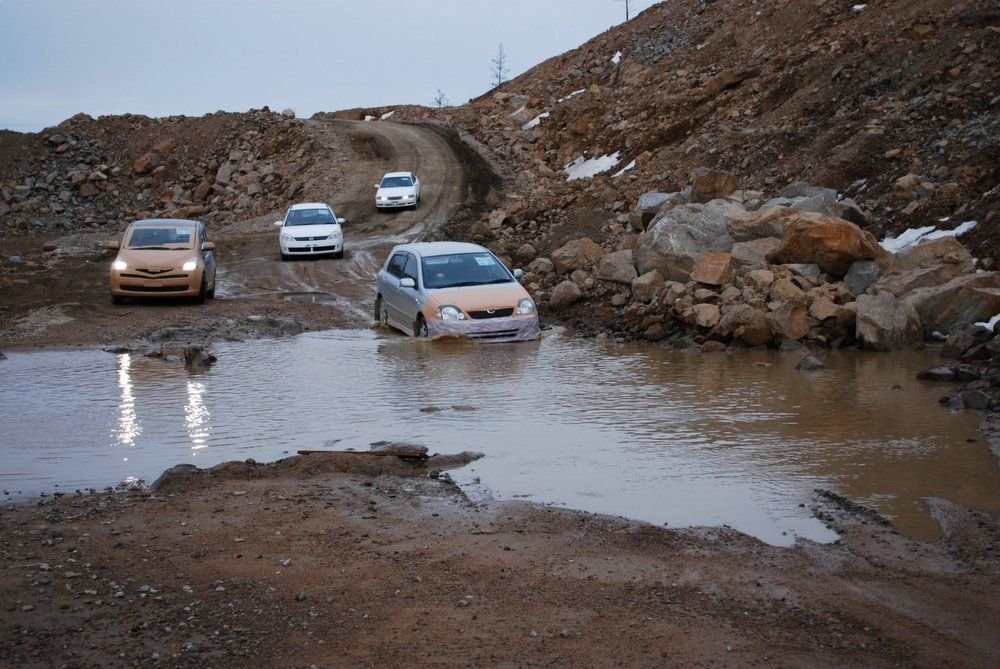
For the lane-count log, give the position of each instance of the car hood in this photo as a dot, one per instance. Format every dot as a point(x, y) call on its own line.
point(397, 192)
point(318, 230)
point(469, 298)
point(151, 258)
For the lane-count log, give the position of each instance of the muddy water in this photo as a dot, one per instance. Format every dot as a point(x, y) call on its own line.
point(669, 437)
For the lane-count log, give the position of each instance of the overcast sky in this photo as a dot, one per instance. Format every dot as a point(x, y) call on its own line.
point(193, 57)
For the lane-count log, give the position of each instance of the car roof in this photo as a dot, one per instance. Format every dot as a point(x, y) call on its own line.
point(160, 222)
point(310, 205)
point(426, 249)
point(397, 174)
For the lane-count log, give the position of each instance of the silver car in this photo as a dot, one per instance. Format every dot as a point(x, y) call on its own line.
point(430, 289)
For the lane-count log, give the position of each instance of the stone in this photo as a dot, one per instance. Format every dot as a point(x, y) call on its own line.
point(288, 112)
point(564, 295)
point(497, 218)
point(146, 163)
point(645, 287)
point(165, 146)
point(708, 184)
point(650, 204)
point(712, 346)
point(202, 192)
point(743, 322)
point(976, 399)
point(525, 253)
point(617, 266)
point(937, 374)
point(885, 323)
point(754, 253)
point(678, 237)
point(785, 290)
point(926, 264)
point(860, 275)
point(823, 308)
point(809, 363)
point(706, 315)
point(831, 243)
point(576, 254)
point(967, 299)
point(760, 279)
point(714, 269)
point(541, 266)
point(760, 224)
point(789, 320)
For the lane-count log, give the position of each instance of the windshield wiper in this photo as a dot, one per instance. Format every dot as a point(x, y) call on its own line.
point(153, 247)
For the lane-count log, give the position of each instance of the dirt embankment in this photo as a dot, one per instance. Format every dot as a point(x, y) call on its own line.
point(353, 561)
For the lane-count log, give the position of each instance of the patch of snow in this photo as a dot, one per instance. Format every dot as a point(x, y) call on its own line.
point(944, 219)
point(586, 168)
point(386, 115)
point(571, 95)
point(857, 8)
point(617, 58)
point(535, 121)
point(369, 117)
point(924, 234)
point(990, 324)
point(625, 169)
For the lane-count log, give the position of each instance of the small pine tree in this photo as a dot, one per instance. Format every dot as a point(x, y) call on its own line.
point(500, 70)
point(441, 100)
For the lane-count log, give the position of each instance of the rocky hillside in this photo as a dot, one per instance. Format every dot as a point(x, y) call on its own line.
point(89, 172)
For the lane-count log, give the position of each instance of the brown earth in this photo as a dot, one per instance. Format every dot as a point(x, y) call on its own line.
point(348, 561)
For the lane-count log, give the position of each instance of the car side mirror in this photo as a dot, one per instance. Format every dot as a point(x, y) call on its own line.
point(114, 246)
point(518, 273)
point(341, 220)
point(377, 186)
point(407, 282)
point(208, 246)
point(279, 223)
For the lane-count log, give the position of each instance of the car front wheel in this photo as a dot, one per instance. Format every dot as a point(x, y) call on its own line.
point(381, 312)
point(421, 327)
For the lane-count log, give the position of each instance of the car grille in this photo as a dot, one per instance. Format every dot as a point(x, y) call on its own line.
point(152, 274)
point(155, 289)
point(496, 334)
point(395, 197)
point(313, 249)
point(492, 313)
point(310, 239)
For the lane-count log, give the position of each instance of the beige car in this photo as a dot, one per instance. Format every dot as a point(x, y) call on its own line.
point(163, 258)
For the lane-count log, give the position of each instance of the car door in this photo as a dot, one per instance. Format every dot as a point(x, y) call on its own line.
point(208, 257)
point(393, 295)
point(416, 185)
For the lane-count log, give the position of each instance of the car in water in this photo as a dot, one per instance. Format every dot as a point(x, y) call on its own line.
point(430, 289)
point(310, 229)
point(396, 190)
point(163, 257)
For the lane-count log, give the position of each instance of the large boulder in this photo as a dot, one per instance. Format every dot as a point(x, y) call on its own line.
point(576, 254)
point(650, 204)
point(926, 264)
point(831, 243)
point(861, 274)
point(886, 323)
point(677, 237)
point(754, 253)
point(564, 294)
point(617, 266)
point(790, 320)
point(967, 299)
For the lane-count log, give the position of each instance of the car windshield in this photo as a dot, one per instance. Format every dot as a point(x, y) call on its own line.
point(396, 182)
point(161, 238)
point(309, 217)
point(463, 269)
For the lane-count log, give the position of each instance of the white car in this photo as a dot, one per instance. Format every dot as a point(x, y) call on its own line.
point(310, 229)
point(397, 189)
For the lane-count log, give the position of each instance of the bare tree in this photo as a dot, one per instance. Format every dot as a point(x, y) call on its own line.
point(626, 9)
point(500, 70)
point(441, 100)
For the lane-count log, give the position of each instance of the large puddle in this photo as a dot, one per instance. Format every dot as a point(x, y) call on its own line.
point(668, 437)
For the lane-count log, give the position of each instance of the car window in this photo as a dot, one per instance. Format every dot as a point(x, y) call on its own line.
point(161, 238)
point(310, 217)
point(463, 269)
point(397, 264)
point(396, 182)
point(410, 271)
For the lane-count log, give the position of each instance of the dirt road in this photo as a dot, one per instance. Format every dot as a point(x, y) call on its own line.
point(59, 298)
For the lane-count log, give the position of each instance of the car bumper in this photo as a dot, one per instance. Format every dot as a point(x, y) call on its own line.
point(394, 204)
point(128, 284)
point(311, 248)
point(509, 329)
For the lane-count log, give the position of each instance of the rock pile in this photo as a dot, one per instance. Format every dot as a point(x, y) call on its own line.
point(86, 172)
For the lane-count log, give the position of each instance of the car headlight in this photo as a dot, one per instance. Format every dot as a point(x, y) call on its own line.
point(190, 265)
point(119, 264)
point(287, 237)
point(380, 198)
point(450, 313)
point(335, 236)
point(525, 306)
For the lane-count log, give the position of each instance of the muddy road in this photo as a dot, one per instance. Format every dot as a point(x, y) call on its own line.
point(59, 297)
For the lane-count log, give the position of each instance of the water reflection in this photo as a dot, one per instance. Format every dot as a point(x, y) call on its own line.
point(196, 416)
point(129, 428)
point(669, 437)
